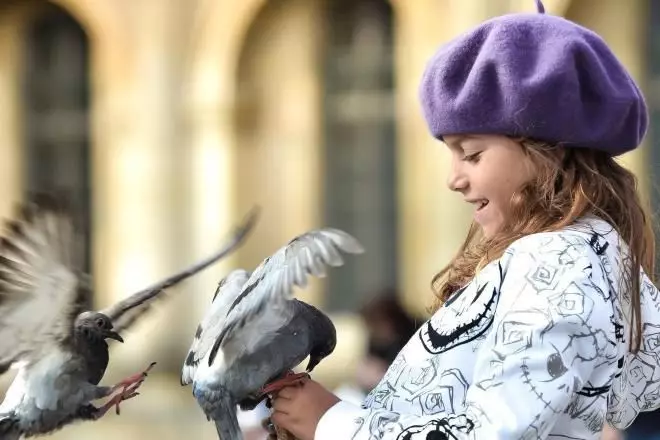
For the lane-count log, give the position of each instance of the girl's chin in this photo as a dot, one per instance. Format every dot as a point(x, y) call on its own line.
point(489, 230)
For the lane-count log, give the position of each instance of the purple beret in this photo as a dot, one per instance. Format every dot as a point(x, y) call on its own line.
point(538, 76)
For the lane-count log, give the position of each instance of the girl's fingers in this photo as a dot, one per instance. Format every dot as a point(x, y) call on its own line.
point(279, 418)
point(285, 393)
point(280, 405)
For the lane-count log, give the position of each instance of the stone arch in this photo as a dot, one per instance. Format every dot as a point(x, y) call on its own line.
point(108, 51)
point(208, 101)
point(102, 22)
point(211, 95)
point(107, 68)
point(276, 127)
point(55, 103)
point(104, 26)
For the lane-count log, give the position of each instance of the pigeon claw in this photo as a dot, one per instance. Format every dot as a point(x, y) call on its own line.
point(125, 394)
point(128, 387)
point(290, 378)
point(137, 378)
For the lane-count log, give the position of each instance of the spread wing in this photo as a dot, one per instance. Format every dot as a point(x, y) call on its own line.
point(39, 291)
point(208, 330)
point(126, 312)
point(272, 283)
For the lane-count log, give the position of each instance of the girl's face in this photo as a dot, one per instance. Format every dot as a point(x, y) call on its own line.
point(487, 170)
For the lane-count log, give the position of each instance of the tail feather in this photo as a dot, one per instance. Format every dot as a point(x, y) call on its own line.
point(218, 406)
point(226, 421)
point(9, 429)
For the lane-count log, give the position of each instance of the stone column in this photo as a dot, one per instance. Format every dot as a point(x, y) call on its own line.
point(140, 217)
point(208, 103)
point(231, 172)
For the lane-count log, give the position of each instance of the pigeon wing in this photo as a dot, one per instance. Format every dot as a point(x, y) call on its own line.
point(208, 330)
point(40, 293)
point(126, 312)
point(272, 283)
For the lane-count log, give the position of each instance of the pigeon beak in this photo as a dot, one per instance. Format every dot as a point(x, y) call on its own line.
point(113, 335)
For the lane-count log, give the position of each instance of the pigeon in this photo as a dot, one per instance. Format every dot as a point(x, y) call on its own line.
point(59, 349)
point(256, 332)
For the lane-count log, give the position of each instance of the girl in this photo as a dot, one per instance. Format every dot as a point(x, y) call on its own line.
point(546, 322)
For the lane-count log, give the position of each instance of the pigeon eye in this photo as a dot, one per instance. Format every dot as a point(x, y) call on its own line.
point(99, 322)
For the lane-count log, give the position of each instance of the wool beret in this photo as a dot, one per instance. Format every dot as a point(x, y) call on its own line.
point(534, 75)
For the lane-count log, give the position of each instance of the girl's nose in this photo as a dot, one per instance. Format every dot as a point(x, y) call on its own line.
point(457, 180)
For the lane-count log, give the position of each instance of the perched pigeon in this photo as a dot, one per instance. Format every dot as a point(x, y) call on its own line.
point(256, 332)
point(60, 350)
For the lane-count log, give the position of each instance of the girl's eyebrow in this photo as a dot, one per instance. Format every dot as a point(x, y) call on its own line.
point(460, 139)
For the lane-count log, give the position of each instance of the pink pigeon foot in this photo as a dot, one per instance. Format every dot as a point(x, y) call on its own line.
point(289, 378)
point(128, 387)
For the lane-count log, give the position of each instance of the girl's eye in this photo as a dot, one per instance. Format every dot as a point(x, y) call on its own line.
point(472, 157)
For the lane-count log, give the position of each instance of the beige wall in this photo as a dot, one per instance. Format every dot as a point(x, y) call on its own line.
point(202, 108)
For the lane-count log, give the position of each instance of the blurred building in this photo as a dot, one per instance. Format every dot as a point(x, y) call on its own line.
point(169, 119)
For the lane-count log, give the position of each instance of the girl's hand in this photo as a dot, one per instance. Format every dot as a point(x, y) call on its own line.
point(299, 408)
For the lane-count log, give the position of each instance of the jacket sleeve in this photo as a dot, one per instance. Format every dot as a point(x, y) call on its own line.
point(551, 329)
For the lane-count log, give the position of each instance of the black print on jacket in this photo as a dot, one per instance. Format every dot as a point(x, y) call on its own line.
point(470, 312)
point(440, 429)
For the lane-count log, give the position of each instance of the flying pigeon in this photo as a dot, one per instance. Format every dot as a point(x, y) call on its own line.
point(256, 331)
point(60, 350)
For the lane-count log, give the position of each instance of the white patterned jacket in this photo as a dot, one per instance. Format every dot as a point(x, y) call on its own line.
point(534, 347)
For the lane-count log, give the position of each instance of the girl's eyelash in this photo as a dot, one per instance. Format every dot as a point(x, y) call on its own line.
point(472, 157)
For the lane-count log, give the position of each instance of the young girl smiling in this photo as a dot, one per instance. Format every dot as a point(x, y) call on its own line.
point(546, 321)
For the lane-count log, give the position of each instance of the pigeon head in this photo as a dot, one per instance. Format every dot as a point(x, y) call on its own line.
point(324, 338)
point(96, 326)
point(320, 352)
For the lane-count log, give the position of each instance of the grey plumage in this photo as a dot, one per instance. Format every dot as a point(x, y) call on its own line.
point(256, 330)
point(59, 349)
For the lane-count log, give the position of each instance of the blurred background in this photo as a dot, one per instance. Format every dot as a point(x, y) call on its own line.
point(168, 119)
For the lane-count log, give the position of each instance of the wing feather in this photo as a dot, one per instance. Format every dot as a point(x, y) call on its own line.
point(126, 312)
point(227, 291)
point(39, 291)
point(273, 282)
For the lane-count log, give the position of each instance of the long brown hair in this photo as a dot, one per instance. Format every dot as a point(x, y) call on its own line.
point(569, 183)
